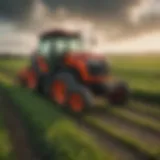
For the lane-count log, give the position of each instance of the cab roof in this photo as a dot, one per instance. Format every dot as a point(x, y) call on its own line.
point(59, 33)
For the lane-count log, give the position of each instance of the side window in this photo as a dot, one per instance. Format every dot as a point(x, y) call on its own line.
point(59, 46)
point(44, 47)
point(74, 45)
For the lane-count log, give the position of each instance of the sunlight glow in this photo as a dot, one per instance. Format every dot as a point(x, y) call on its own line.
point(26, 41)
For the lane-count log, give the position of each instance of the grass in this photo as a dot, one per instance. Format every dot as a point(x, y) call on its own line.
point(142, 73)
point(6, 152)
point(124, 138)
point(136, 62)
point(65, 140)
point(14, 64)
point(145, 109)
point(6, 79)
point(137, 119)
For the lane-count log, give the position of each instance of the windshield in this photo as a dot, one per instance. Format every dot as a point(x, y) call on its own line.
point(59, 45)
point(67, 44)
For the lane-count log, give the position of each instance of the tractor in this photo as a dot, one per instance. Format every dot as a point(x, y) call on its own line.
point(69, 75)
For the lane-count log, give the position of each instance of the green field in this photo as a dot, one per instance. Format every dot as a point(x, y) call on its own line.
point(129, 132)
point(6, 152)
point(142, 73)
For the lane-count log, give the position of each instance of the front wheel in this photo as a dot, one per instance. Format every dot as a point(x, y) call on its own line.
point(118, 94)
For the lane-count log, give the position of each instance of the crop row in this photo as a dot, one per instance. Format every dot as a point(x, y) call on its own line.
point(55, 135)
point(108, 129)
point(6, 150)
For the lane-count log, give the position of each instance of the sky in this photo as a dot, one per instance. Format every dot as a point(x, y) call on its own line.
point(118, 25)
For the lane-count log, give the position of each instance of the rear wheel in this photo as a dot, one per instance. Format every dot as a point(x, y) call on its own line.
point(59, 87)
point(80, 99)
point(58, 91)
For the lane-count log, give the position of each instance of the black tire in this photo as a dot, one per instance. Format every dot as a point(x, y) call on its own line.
point(64, 77)
point(87, 98)
point(118, 93)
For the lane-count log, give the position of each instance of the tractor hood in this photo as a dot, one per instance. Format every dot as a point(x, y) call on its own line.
point(94, 64)
point(85, 56)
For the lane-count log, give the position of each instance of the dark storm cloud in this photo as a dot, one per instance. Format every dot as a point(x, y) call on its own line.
point(15, 9)
point(101, 11)
point(106, 14)
point(93, 8)
point(145, 25)
point(106, 10)
point(110, 14)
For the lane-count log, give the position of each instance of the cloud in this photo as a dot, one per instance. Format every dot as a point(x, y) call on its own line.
point(104, 10)
point(16, 9)
point(118, 18)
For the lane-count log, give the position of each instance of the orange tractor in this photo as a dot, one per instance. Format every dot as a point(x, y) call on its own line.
point(70, 76)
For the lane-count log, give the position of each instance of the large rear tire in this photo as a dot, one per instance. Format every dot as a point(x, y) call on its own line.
point(59, 88)
point(80, 100)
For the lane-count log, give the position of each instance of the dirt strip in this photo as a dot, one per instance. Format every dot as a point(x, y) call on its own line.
point(108, 143)
point(145, 113)
point(139, 133)
point(17, 132)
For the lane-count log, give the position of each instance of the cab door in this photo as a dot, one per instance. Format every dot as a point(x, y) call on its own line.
point(42, 57)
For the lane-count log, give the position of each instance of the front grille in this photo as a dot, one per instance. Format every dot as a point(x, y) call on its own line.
point(97, 68)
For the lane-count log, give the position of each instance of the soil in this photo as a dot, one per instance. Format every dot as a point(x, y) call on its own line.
point(17, 131)
point(143, 135)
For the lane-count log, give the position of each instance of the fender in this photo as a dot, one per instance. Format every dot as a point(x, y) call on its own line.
point(80, 66)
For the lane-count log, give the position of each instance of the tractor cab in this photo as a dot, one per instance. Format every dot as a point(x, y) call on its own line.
point(61, 49)
point(55, 44)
